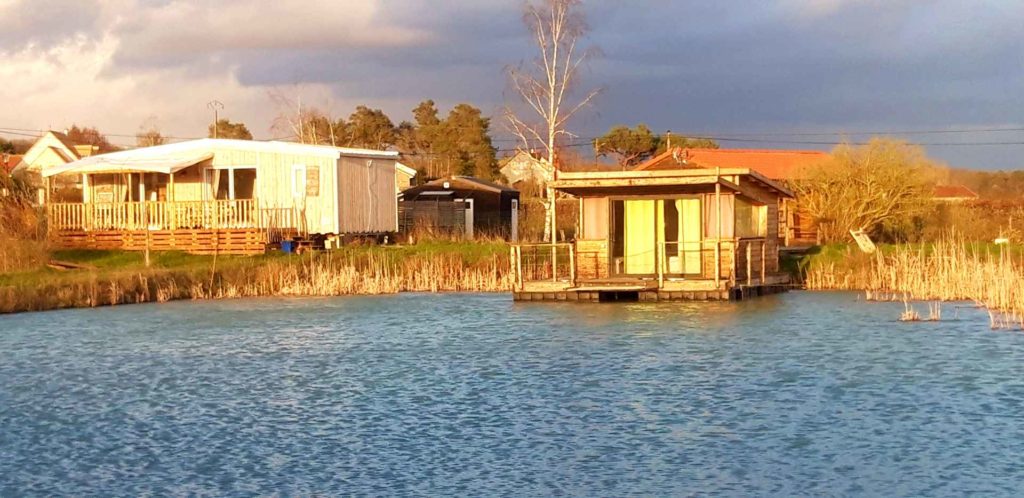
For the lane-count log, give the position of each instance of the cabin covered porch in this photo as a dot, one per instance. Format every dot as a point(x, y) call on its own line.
point(659, 235)
point(179, 203)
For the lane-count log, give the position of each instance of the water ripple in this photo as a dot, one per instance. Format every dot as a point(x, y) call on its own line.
point(800, 394)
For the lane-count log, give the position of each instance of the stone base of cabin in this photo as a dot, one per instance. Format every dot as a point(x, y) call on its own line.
point(240, 241)
point(648, 292)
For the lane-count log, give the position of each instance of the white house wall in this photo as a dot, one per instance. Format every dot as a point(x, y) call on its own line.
point(276, 188)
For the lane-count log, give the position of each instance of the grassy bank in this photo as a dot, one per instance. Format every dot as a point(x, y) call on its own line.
point(116, 277)
point(949, 270)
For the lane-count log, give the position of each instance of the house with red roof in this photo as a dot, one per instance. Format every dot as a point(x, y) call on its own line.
point(783, 166)
point(8, 162)
point(953, 193)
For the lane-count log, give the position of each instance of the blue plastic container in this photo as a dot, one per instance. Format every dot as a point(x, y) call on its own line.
point(287, 246)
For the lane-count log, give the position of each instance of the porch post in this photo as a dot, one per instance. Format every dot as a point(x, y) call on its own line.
point(659, 229)
point(173, 218)
point(764, 245)
point(718, 230)
point(750, 256)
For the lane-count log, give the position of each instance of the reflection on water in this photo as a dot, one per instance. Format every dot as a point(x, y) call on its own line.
point(798, 394)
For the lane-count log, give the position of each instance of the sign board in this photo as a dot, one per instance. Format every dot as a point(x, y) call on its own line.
point(863, 241)
point(312, 181)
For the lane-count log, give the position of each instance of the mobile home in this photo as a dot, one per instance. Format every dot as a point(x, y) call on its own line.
point(190, 195)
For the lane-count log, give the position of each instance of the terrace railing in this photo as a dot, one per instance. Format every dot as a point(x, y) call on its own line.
point(544, 263)
point(164, 215)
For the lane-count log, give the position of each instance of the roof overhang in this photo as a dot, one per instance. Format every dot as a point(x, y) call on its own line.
point(666, 181)
point(107, 164)
point(407, 171)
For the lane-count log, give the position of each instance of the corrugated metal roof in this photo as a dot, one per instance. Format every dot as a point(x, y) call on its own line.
point(163, 158)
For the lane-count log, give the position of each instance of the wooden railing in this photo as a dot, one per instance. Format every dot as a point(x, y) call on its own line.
point(543, 262)
point(160, 215)
point(750, 262)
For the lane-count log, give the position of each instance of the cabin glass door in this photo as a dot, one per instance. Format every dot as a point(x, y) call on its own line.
point(640, 239)
point(681, 233)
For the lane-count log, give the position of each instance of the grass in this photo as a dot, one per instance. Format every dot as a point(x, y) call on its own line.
point(114, 277)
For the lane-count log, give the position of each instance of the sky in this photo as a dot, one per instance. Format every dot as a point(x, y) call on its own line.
point(764, 74)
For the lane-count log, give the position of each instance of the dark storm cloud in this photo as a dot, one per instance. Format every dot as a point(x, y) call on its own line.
point(690, 66)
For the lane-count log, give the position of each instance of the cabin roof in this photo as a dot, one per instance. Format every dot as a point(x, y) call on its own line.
point(462, 182)
point(169, 158)
point(406, 170)
point(775, 164)
point(577, 183)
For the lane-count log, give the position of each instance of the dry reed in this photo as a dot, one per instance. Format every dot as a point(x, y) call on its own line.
point(949, 270)
point(347, 272)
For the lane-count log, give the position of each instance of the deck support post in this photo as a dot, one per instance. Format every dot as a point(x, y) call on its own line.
point(519, 267)
point(718, 230)
point(750, 256)
point(572, 264)
point(764, 245)
point(512, 264)
point(554, 259)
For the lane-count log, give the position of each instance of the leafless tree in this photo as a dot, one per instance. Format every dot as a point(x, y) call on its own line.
point(149, 134)
point(883, 183)
point(304, 123)
point(546, 86)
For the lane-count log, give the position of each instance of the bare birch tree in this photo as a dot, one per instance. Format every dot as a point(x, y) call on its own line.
point(546, 86)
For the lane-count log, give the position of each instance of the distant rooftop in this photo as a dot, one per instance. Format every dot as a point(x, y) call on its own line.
point(776, 164)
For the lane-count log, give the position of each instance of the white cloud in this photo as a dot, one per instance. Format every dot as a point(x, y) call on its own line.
point(78, 75)
point(184, 28)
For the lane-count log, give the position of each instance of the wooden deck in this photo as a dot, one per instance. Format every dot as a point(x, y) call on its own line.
point(199, 227)
point(649, 290)
point(545, 272)
point(242, 241)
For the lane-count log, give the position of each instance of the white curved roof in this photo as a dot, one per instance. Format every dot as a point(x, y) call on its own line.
point(170, 158)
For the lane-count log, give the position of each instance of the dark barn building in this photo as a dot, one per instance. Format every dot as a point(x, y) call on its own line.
point(494, 207)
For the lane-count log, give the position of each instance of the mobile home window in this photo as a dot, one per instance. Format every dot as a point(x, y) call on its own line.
point(312, 181)
point(299, 180)
point(235, 182)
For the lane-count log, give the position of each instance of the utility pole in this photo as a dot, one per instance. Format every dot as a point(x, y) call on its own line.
point(215, 106)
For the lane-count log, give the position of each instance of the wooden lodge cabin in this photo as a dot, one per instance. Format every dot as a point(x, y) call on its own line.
point(461, 204)
point(797, 229)
point(228, 196)
point(674, 234)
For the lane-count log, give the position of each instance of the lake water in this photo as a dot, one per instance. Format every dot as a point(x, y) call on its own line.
point(797, 394)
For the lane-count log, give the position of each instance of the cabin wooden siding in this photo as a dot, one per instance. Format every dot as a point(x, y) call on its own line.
point(366, 194)
point(592, 259)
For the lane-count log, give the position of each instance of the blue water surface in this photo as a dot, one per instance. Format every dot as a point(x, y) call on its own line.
point(441, 395)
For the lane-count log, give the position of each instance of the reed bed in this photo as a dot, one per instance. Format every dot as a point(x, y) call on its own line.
point(949, 270)
point(465, 267)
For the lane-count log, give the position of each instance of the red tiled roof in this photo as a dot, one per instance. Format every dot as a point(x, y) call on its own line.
point(774, 164)
point(8, 162)
point(953, 192)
